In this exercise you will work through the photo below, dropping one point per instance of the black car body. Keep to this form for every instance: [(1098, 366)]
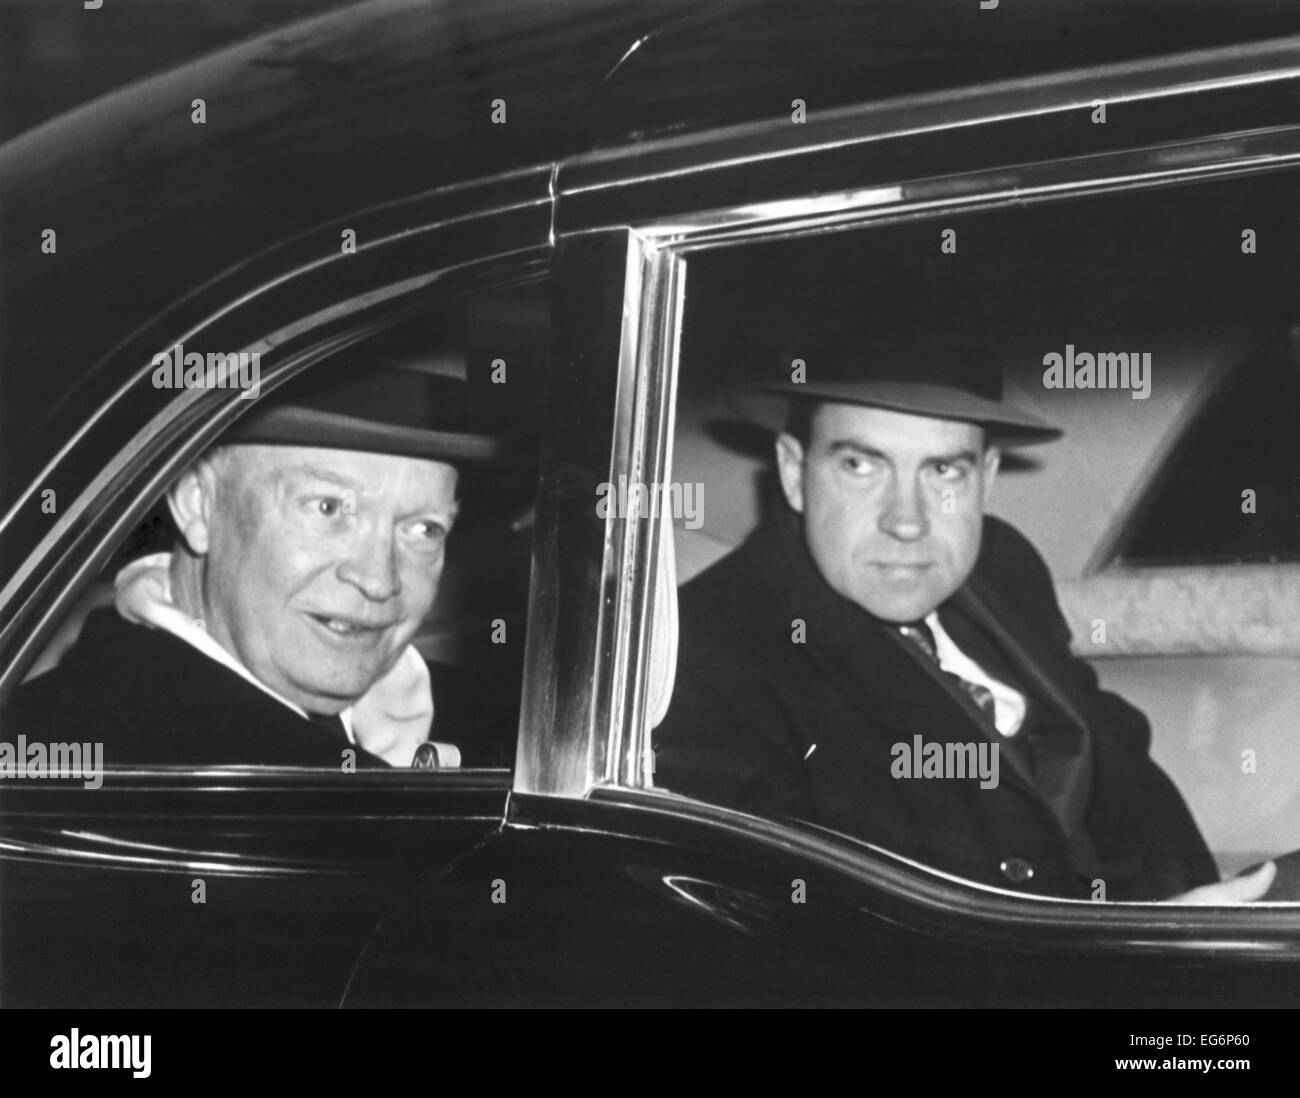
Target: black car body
[(635, 138)]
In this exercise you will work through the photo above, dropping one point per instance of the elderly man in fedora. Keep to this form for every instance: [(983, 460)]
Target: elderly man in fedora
[(310, 543), (879, 640)]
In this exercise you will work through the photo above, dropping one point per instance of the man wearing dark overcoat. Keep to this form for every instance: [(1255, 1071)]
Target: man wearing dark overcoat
[(882, 658), (309, 547)]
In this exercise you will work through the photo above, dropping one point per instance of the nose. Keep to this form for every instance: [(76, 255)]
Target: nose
[(371, 566), (903, 515)]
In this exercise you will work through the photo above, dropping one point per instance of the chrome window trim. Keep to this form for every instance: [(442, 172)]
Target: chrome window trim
[(662, 300), (1180, 74), (71, 526), (564, 740), (568, 746), (464, 194), (985, 914), (1214, 156)]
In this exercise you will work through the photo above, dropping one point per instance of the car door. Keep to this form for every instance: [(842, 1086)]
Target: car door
[(733, 891), (259, 886)]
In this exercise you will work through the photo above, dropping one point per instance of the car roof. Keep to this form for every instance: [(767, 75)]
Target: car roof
[(373, 103)]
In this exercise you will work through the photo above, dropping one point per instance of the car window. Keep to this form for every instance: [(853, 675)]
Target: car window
[(1151, 328), (1243, 448), (434, 519)]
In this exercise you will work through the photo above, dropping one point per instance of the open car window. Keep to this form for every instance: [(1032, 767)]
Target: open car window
[(1155, 329), (492, 345)]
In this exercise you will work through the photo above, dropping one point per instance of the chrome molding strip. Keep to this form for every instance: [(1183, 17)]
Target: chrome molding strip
[(281, 279), (75, 513), (1187, 162), (1216, 157), (931, 112), (659, 308), (224, 865), (620, 577), (985, 913), (575, 593)]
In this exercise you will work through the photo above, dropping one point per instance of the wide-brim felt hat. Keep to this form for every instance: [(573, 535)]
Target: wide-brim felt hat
[(768, 406), (406, 409), (911, 350)]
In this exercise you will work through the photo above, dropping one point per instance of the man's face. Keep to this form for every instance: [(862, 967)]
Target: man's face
[(318, 565), (892, 504)]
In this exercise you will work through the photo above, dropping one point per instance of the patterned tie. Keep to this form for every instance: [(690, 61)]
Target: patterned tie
[(919, 634)]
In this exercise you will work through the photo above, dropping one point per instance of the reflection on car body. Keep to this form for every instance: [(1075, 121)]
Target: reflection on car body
[(579, 245)]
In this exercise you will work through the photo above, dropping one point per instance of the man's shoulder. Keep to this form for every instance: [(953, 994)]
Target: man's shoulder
[(772, 559), (1009, 561), (732, 606), (721, 581), (153, 699), (113, 657), (1014, 583)]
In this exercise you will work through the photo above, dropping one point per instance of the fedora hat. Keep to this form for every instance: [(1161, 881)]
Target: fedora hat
[(405, 407), (916, 350), (953, 400)]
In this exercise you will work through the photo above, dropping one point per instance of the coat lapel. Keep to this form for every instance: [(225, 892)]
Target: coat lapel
[(884, 677), (1064, 756)]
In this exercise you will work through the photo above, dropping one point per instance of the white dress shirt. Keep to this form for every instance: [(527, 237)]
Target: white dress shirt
[(1009, 705)]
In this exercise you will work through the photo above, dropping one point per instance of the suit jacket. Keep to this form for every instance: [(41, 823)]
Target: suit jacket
[(152, 699), (806, 727)]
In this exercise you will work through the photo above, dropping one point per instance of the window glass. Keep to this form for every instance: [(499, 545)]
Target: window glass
[(341, 582), (881, 555), (1244, 451)]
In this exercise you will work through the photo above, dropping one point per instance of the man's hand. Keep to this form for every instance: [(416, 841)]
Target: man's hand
[(1239, 890)]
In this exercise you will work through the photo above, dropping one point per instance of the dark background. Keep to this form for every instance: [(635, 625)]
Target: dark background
[(54, 54)]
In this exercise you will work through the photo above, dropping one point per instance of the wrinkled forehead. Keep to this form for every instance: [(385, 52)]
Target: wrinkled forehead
[(255, 467), (888, 432)]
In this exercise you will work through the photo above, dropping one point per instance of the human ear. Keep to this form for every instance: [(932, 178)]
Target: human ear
[(992, 459), (789, 467), (190, 501)]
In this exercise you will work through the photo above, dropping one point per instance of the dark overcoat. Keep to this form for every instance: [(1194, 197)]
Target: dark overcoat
[(792, 701), (151, 699)]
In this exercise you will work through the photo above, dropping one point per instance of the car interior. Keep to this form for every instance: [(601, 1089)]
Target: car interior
[(1138, 509), (478, 624), (1142, 491)]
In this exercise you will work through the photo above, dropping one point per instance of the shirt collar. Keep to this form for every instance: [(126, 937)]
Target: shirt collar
[(393, 717)]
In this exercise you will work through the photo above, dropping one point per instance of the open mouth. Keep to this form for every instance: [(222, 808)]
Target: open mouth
[(345, 627)]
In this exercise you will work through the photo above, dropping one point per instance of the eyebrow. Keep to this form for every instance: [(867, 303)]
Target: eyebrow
[(444, 515), (842, 444), (326, 475)]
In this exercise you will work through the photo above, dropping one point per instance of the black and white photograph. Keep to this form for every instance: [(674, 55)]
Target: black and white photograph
[(637, 504)]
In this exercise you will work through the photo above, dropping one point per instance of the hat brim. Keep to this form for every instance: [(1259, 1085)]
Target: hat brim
[(299, 426), (768, 405)]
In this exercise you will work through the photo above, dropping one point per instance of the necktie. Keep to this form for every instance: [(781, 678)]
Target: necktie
[(919, 634)]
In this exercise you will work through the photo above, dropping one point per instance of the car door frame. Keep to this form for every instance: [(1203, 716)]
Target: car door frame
[(143, 839), (631, 217)]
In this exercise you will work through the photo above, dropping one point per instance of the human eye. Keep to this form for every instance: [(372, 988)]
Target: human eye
[(952, 472), (857, 464), (327, 507), (427, 534)]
